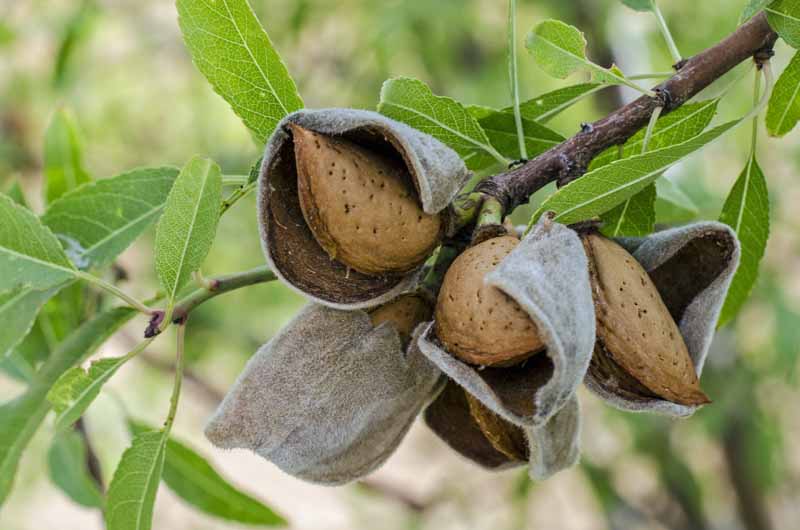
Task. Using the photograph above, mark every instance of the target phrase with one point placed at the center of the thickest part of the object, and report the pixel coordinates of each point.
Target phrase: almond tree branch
(569, 160)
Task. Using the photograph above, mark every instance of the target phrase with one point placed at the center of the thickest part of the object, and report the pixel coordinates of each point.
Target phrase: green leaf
(188, 225)
(21, 417)
(22, 361)
(18, 310)
(560, 50)
(635, 217)
(191, 477)
(236, 55)
(604, 188)
(752, 8)
(746, 210)
(550, 104)
(678, 126)
(30, 255)
(133, 489)
(639, 5)
(63, 156)
(68, 469)
(255, 171)
(673, 206)
(17, 195)
(784, 17)
(501, 129)
(75, 390)
(783, 111)
(76, 31)
(99, 220)
(411, 101)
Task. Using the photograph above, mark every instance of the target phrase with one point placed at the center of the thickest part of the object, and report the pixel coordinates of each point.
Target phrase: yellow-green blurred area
(121, 68)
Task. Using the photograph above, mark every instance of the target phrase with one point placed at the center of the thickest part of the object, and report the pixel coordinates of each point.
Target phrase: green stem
(235, 196)
(756, 96)
(219, 285)
(176, 387)
(491, 212)
(235, 180)
(662, 25)
(648, 135)
(514, 77)
(651, 75)
(116, 291)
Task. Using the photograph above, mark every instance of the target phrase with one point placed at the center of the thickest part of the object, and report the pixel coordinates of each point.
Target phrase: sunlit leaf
(746, 210)
(99, 220)
(784, 18)
(783, 111)
(63, 156)
(69, 471)
(752, 8)
(30, 255)
(133, 489)
(193, 479)
(602, 189)
(21, 417)
(236, 55)
(411, 101)
(550, 104)
(188, 225)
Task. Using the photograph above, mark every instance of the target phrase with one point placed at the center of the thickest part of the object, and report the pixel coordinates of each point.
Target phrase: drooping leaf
(501, 129)
(678, 126)
(746, 210)
(604, 188)
(133, 489)
(21, 417)
(63, 156)
(193, 479)
(544, 107)
(18, 310)
(673, 206)
(783, 111)
(560, 50)
(236, 55)
(784, 18)
(75, 390)
(69, 471)
(412, 102)
(101, 219)
(635, 217)
(30, 255)
(187, 227)
(639, 5)
(752, 8)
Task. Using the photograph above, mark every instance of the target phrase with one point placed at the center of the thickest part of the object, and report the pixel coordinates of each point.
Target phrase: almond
(505, 437)
(478, 323)
(361, 205)
(405, 313)
(639, 345)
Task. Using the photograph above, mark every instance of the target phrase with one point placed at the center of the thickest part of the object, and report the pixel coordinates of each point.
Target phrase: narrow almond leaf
(30, 255)
(133, 489)
(412, 102)
(75, 390)
(783, 111)
(22, 361)
(99, 220)
(193, 479)
(67, 464)
(784, 17)
(546, 106)
(18, 310)
(501, 129)
(673, 206)
(635, 217)
(746, 210)
(187, 227)
(678, 126)
(752, 8)
(602, 189)
(21, 417)
(639, 5)
(236, 55)
(560, 50)
(63, 156)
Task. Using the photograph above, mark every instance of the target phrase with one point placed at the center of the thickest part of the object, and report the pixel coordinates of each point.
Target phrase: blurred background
(121, 69)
